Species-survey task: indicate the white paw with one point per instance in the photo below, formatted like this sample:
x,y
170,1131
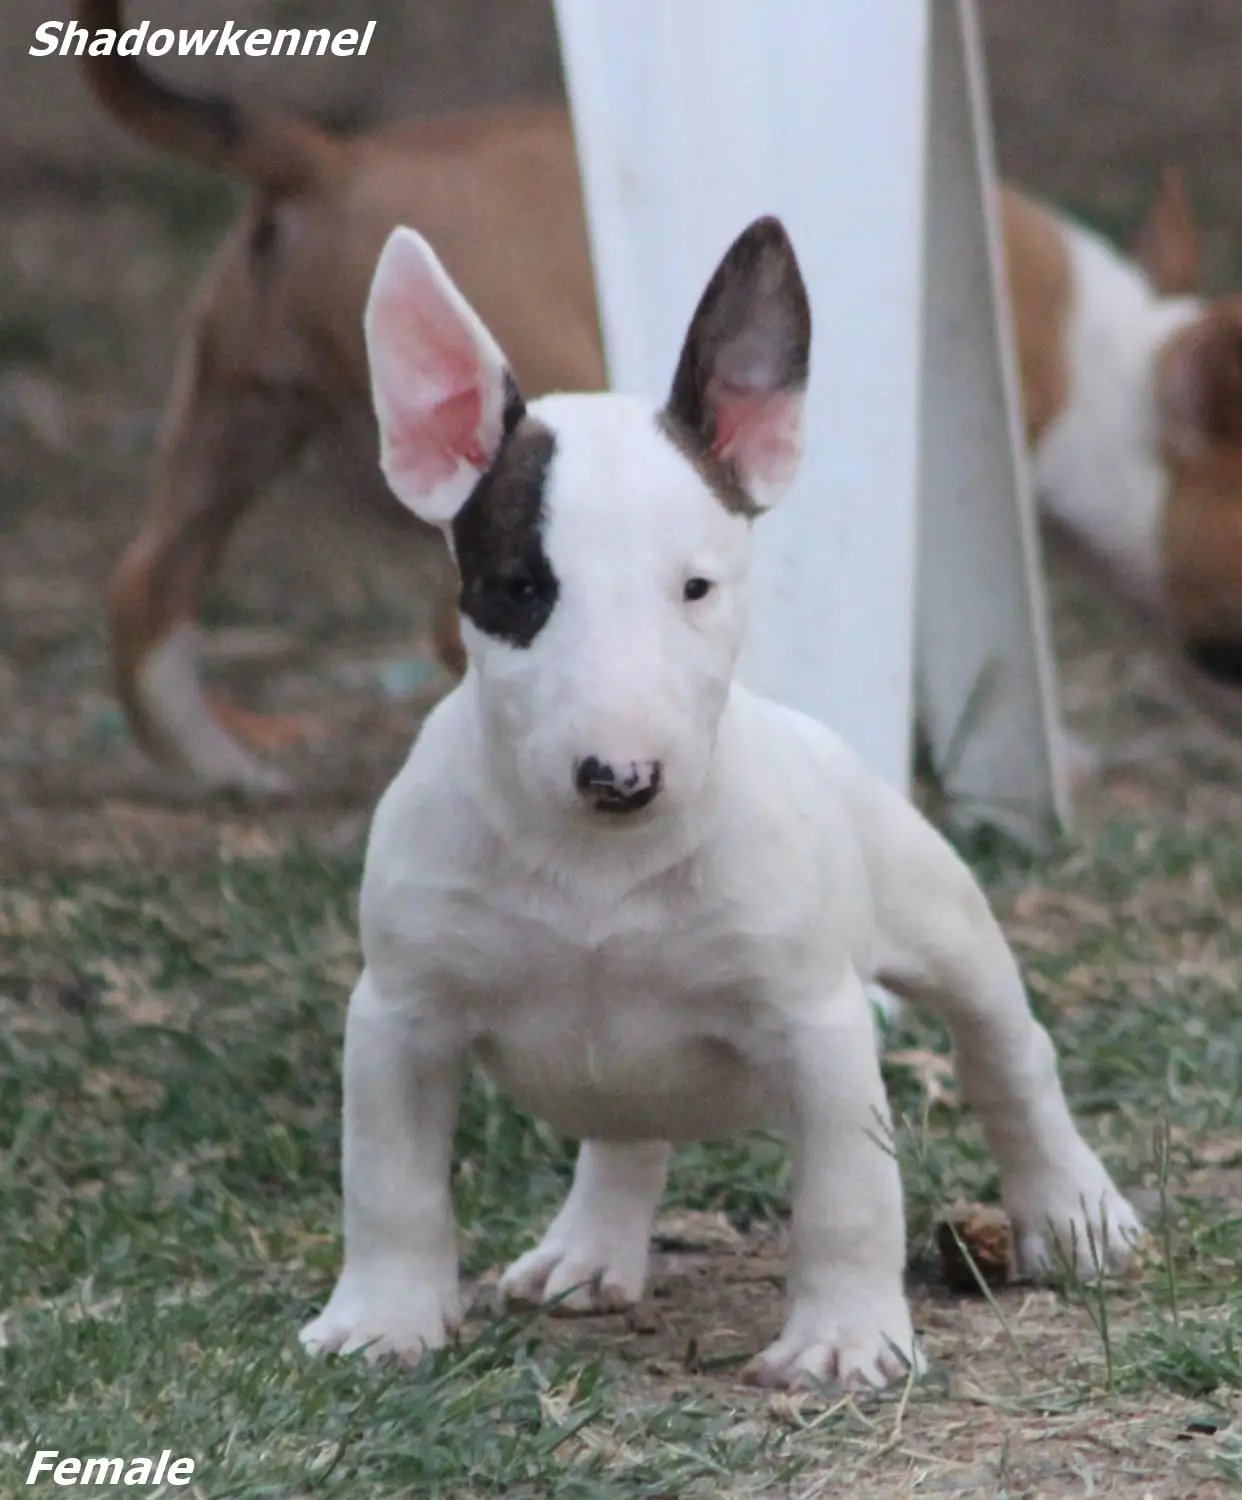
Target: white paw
x,y
850,1342
581,1267
394,1312
1072,1216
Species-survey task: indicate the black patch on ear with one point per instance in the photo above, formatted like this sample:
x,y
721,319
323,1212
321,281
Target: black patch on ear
x,y
508,588
515,407
751,332
719,475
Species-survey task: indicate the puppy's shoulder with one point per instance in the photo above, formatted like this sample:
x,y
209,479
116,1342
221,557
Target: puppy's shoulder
x,y
820,777
426,813
800,747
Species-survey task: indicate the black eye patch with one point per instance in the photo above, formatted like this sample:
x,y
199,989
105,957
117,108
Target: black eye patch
x,y
513,602
508,588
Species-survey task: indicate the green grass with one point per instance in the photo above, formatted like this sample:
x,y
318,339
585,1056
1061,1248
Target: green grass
x,y
169,1204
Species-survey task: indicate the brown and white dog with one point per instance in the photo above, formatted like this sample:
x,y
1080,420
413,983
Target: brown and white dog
x,y
274,353
1132,388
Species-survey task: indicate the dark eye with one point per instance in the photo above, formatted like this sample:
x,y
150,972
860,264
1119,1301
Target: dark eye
x,y
697,588
521,589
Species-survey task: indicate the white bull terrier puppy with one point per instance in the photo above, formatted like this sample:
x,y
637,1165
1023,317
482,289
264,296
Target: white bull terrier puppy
x,y
645,900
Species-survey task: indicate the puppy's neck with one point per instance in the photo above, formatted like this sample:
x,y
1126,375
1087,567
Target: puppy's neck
x,y
1099,467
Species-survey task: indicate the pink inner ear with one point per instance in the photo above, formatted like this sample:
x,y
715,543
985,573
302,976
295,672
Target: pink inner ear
x,y
430,380
426,446
759,431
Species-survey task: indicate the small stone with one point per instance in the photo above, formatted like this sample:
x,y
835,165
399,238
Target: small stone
x,y
690,1230
642,1319
987,1235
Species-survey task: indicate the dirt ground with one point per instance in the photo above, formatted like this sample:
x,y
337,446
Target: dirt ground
x,y
321,603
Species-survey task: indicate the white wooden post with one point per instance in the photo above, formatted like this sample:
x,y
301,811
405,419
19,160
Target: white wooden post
x,y
693,117
987,700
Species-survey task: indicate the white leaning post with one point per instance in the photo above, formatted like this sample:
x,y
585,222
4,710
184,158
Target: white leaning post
x,y
863,124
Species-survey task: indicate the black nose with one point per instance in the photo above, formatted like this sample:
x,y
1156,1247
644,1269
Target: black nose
x,y
610,790
1220,657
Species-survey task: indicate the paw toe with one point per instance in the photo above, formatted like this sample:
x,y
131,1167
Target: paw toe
x,y
573,1281
524,1284
1092,1239
402,1330
849,1366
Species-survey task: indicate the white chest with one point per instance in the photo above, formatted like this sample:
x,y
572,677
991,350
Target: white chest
x,y
1098,468
668,1033
649,988
664,1011
616,1066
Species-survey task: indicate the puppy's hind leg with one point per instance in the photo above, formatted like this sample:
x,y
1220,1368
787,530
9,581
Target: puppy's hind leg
x,y
941,947
223,442
594,1254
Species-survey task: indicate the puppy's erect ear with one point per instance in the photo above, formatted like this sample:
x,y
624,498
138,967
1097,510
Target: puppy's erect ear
x,y
741,381
1167,247
441,387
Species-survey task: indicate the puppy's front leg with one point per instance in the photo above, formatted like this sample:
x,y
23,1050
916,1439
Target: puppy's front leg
x,y
593,1256
848,1318
397,1292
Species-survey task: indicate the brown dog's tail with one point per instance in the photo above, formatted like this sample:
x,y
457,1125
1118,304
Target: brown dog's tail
x,y
269,151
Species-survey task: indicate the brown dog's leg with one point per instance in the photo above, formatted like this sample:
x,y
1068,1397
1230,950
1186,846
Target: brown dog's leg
x,y
224,440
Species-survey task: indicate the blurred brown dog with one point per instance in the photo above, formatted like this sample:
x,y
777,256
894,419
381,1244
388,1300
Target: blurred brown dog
x,y
1132,384
1132,390
275,351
